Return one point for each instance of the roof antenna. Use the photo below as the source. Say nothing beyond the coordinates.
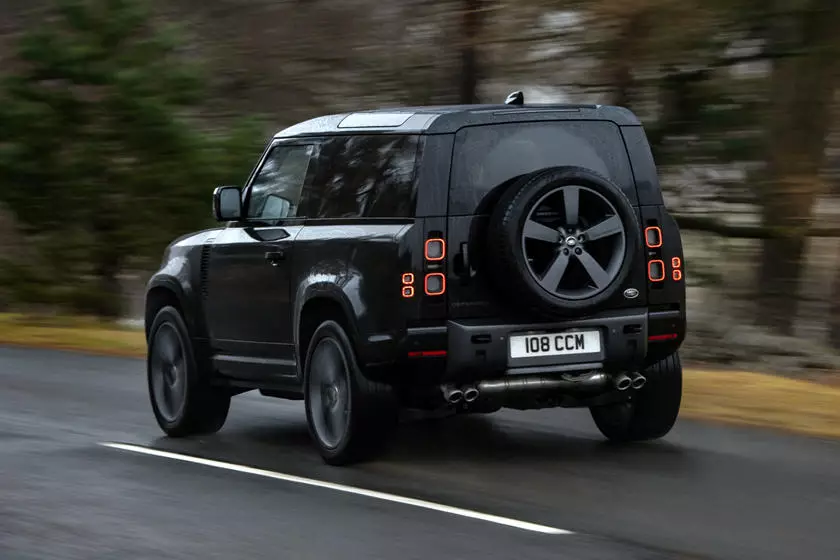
(515, 98)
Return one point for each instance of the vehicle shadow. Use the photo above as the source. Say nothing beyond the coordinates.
(473, 443)
(490, 439)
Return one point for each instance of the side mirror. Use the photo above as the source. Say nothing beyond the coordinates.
(227, 204)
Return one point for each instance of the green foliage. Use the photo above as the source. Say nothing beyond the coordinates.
(101, 152)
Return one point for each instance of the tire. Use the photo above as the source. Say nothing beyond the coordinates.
(506, 248)
(654, 408)
(361, 413)
(192, 406)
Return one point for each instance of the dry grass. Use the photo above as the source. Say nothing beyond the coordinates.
(763, 400)
(732, 397)
(76, 333)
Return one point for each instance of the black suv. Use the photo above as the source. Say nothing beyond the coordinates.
(467, 257)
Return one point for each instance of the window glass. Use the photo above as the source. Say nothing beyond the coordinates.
(363, 176)
(275, 191)
(487, 157)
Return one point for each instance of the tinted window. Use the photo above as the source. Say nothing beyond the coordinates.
(487, 157)
(371, 176)
(275, 191)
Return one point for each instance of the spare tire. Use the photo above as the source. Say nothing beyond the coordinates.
(562, 241)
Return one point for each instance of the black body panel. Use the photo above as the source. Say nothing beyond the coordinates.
(250, 292)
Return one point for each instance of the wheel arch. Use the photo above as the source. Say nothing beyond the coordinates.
(163, 291)
(319, 304)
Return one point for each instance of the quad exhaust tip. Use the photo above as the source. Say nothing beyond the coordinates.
(453, 395)
(622, 382)
(637, 380)
(470, 394)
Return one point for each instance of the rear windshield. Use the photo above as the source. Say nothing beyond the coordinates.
(487, 157)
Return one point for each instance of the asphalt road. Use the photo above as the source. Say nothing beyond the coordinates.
(704, 492)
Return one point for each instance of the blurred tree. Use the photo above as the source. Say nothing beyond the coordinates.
(99, 158)
(801, 95)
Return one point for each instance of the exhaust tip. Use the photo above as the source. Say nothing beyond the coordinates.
(470, 394)
(454, 397)
(622, 382)
(639, 382)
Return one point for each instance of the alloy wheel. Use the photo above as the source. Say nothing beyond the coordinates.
(573, 241)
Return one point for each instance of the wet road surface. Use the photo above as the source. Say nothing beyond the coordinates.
(705, 491)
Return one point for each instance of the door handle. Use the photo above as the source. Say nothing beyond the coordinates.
(274, 257)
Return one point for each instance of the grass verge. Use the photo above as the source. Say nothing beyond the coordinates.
(733, 397)
(71, 333)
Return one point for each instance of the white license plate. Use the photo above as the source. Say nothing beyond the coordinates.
(555, 344)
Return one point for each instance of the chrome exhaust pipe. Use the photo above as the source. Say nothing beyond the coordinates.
(637, 380)
(452, 395)
(470, 394)
(622, 382)
(587, 382)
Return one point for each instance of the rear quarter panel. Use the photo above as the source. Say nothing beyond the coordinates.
(358, 264)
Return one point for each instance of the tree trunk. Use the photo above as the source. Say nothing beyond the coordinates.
(834, 310)
(801, 92)
(109, 304)
(108, 258)
(471, 20)
(625, 55)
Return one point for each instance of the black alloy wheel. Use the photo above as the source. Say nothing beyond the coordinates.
(562, 241)
(328, 391)
(349, 416)
(569, 225)
(168, 372)
(183, 399)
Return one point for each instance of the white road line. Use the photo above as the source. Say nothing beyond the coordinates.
(524, 525)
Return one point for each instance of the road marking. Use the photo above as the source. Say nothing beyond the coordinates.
(524, 525)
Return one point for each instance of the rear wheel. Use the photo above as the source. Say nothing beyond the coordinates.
(183, 401)
(349, 417)
(654, 408)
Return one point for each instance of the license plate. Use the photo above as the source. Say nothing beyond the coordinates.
(555, 344)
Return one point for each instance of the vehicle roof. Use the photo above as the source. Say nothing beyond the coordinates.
(450, 118)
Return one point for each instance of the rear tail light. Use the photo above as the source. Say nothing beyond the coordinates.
(656, 271)
(408, 285)
(676, 265)
(653, 237)
(435, 249)
(435, 284)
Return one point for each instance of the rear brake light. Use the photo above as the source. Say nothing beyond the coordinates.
(656, 271)
(435, 284)
(676, 275)
(653, 237)
(408, 279)
(435, 249)
(408, 291)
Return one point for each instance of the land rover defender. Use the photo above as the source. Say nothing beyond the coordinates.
(467, 258)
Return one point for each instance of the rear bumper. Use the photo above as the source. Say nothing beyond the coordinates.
(480, 349)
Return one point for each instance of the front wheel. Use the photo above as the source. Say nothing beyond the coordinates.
(183, 401)
(653, 410)
(349, 416)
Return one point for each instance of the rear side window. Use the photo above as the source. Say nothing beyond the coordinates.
(363, 176)
(489, 157)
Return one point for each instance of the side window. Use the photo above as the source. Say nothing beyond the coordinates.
(364, 176)
(276, 190)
